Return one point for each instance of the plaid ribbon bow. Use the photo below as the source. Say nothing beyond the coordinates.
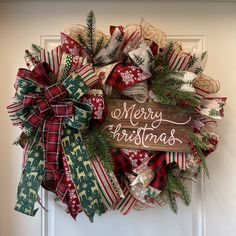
(50, 110)
(55, 112)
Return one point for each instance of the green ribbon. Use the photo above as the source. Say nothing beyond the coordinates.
(31, 178)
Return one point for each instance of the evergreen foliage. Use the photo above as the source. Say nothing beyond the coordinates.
(175, 188)
(165, 84)
(96, 141)
(32, 57)
(167, 89)
(199, 145)
(89, 42)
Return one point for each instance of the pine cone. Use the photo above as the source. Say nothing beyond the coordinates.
(174, 169)
(176, 172)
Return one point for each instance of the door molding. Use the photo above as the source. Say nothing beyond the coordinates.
(194, 43)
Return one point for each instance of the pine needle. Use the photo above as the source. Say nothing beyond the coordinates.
(99, 45)
(88, 42)
(166, 85)
(175, 187)
(91, 32)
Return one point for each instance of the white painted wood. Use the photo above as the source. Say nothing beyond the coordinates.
(23, 23)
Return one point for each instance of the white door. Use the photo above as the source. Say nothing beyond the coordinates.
(198, 25)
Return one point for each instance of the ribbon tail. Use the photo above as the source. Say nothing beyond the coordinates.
(82, 174)
(31, 178)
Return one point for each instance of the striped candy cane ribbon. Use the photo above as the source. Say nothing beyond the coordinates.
(178, 157)
(106, 184)
(126, 204)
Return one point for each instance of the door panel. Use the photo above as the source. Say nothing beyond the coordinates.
(190, 220)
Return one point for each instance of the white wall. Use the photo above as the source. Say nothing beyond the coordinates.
(23, 23)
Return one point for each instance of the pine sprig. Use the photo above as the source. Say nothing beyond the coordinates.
(170, 199)
(89, 41)
(32, 57)
(167, 88)
(91, 32)
(167, 52)
(96, 141)
(199, 146)
(36, 49)
(175, 188)
(178, 185)
(83, 43)
(99, 45)
(167, 83)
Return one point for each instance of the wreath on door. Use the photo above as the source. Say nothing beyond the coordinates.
(117, 122)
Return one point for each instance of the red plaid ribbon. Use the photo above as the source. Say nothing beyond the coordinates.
(49, 110)
(121, 161)
(51, 113)
(158, 164)
(122, 164)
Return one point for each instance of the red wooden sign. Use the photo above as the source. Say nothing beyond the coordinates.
(149, 126)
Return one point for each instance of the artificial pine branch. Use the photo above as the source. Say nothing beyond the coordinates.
(199, 145)
(173, 188)
(167, 52)
(182, 189)
(99, 46)
(165, 84)
(91, 32)
(203, 55)
(32, 57)
(170, 198)
(36, 49)
(89, 42)
(167, 88)
(96, 141)
(83, 43)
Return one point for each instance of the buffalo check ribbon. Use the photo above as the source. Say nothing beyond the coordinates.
(54, 111)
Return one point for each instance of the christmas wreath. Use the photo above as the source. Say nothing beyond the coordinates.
(113, 123)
